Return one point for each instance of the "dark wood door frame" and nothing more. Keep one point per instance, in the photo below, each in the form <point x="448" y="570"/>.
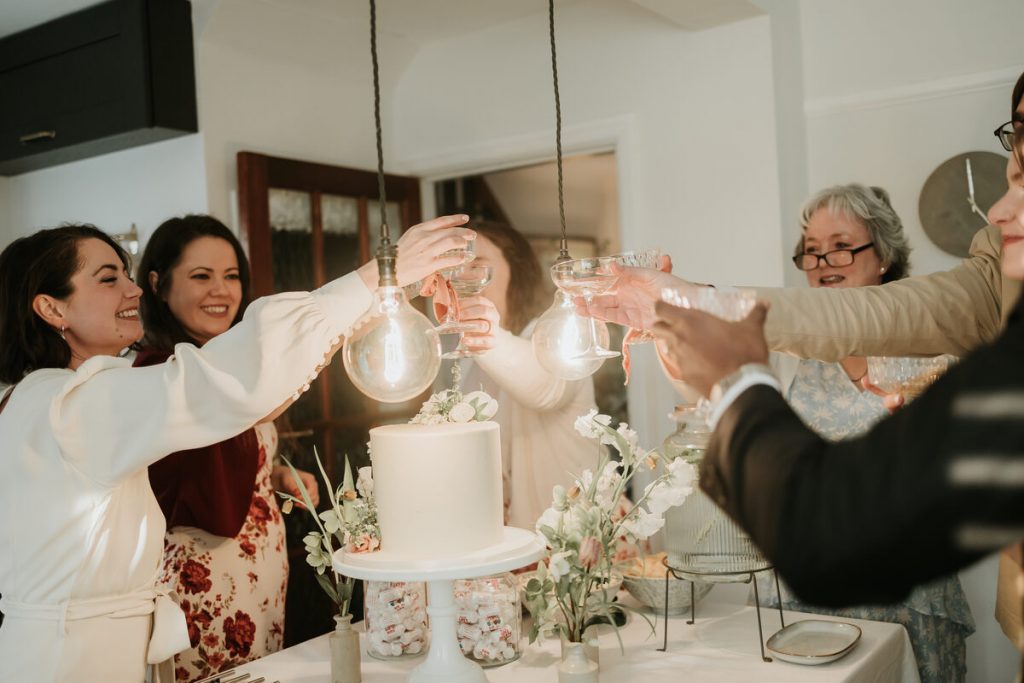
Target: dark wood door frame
<point x="257" y="173"/>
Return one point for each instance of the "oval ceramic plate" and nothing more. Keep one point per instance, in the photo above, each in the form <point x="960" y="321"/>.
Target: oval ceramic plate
<point x="814" y="641"/>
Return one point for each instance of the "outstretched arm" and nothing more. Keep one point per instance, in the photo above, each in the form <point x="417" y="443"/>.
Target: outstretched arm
<point x="927" y="491"/>
<point x="947" y="312"/>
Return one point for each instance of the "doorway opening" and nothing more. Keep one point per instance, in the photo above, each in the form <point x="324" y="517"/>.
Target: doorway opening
<point x="526" y="198"/>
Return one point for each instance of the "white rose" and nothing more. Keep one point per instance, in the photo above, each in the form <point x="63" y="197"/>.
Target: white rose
<point x="663" y="495"/>
<point x="683" y="472"/>
<point x="559" y="565"/>
<point x="606" y="485"/>
<point x="629" y="435"/>
<point x="641" y="524"/>
<point x="485" y="405"/>
<point x="364" y="482"/>
<point x="462" y="412"/>
<point x="490" y="410"/>
<point x="585" y="425"/>
<point x="550" y="517"/>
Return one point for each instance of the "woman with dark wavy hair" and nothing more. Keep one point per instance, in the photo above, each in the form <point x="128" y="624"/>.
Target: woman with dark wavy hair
<point x="540" y="448"/>
<point x="82" y="533"/>
<point x="223" y="521"/>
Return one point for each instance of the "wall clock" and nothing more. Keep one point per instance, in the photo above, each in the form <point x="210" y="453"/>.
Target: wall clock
<point x="946" y="213"/>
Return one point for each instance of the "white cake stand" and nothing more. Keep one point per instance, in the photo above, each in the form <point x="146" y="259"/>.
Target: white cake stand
<point x="445" y="662"/>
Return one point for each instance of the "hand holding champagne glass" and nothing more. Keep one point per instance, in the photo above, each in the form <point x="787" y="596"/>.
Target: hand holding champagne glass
<point x="587" y="277"/>
<point x="468" y="280"/>
<point x="450" y="324"/>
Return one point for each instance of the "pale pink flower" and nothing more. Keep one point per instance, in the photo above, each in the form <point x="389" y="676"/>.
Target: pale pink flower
<point x="364" y="543"/>
<point x="590" y="552"/>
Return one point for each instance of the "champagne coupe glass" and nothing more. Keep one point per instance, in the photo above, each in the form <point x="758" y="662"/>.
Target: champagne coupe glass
<point x="450" y="324"/>
<point x="643" y="258"/>
<point x="907" y="376"/>
<point x="468" y="280"/>
<point x="727" y="303"/>
<point x="586" y="277"/>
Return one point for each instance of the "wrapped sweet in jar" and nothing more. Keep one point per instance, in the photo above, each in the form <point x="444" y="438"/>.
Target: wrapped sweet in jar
<point x="396" y="619"/>
<point x="488" y="619"/>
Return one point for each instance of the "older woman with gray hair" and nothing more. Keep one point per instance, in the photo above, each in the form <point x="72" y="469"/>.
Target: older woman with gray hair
<point x="852" y="237"/>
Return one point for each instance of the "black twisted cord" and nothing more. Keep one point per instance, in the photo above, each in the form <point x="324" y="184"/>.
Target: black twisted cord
<point x="384" y="236"/>
<point x="563" y="251"/>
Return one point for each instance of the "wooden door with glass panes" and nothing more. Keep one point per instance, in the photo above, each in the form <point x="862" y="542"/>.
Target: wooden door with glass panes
<point x="305" y="224"/>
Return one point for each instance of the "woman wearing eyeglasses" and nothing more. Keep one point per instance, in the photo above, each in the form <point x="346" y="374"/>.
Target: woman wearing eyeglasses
<point x="852" y="237"/>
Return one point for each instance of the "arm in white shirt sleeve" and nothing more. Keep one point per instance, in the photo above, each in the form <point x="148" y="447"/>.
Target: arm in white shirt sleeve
<point x="720" y="404"/>
<point x="111" y="420"/>
<point x="512" y="364"/>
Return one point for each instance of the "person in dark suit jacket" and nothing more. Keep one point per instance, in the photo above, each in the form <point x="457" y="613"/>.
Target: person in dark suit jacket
<point x="927" y="491"/>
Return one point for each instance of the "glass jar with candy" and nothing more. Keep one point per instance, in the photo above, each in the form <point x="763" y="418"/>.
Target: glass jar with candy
<point x="489" y="619"/>
<point x="396" y="619"/>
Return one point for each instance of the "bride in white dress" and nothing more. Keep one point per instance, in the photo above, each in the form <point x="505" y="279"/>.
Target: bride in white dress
<point x="82" y="532"/>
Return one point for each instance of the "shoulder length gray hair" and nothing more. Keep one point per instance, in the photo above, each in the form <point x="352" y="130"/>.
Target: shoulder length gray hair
<point x="871" y="206"/>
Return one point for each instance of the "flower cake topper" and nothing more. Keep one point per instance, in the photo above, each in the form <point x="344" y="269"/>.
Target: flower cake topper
<point x="452" y="406"/>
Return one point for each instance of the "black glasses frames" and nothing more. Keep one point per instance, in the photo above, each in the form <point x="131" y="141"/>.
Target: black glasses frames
<point x="837" y="258"/>
<point x="1010" y="134"/>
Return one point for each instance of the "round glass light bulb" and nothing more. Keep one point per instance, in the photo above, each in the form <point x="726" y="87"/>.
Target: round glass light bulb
<point x="560" y="336"/>
<point x="393" y="353"/>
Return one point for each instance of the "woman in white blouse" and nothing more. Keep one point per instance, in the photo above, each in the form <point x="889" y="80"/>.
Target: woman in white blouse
<point x="540" y="447"/>
<point x="81" y="530"/>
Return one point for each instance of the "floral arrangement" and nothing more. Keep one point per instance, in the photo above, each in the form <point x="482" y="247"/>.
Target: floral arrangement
<point x="451" y="405"/>
<point x="349" y="523"/>
<point x="584" y="522"/>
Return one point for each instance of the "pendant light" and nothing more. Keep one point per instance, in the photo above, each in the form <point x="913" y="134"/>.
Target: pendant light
<point x="561" y="335"/>
<point x="393" y="353"/>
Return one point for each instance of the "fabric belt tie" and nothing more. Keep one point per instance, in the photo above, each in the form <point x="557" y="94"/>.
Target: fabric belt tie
<point x="170" y="632"/>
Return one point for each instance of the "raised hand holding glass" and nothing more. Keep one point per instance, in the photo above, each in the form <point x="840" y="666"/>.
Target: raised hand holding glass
<point x="469" y="280"/>
<point x="450" y="324"/>
<point x="587" y="277"/>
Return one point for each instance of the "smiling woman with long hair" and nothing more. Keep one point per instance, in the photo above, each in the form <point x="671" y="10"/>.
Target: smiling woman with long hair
<point x="81" y="531"/>
<point x="225" y="548"/>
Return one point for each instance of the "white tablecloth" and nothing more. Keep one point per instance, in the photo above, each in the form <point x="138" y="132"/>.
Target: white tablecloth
<point x="720" y="647"/>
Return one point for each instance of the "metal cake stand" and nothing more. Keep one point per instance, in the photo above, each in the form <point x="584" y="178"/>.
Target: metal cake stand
<point x="743" y="572"/>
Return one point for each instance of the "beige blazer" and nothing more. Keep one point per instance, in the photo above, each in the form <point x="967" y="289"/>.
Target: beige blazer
<point x="947" y="312"/>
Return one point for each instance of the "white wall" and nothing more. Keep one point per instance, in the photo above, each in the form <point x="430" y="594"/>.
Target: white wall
<point x="790" y="121"/>
<point x="529" y="198"/>
<point x="894" y="89"/>
<point x="144" y="185"/>
<point x="282" y="81"/>
<point x="688" y="182"/>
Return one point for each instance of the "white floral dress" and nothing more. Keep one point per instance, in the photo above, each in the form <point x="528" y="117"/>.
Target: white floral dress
<point x="936" y="615"/>
<point x="232" y="590"/>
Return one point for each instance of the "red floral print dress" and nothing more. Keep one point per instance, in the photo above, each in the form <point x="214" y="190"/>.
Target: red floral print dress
<point x="232" y="590"/>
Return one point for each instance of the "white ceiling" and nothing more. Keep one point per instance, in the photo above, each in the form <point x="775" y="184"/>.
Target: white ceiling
<point x="421" y="21"/>
<point x="17" y="15"/>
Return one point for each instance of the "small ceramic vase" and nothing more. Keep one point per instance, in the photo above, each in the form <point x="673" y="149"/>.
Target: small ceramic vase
<point x="591" y="646"/>
<point x="344" y="644"/>
<point x="576" y="667"/>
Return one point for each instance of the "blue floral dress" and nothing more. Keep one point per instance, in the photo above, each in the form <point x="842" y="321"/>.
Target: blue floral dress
<point x="936" y="615"/>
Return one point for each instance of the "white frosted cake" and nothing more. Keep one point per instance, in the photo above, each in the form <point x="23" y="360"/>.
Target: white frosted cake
<point x="437" y="488"/>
